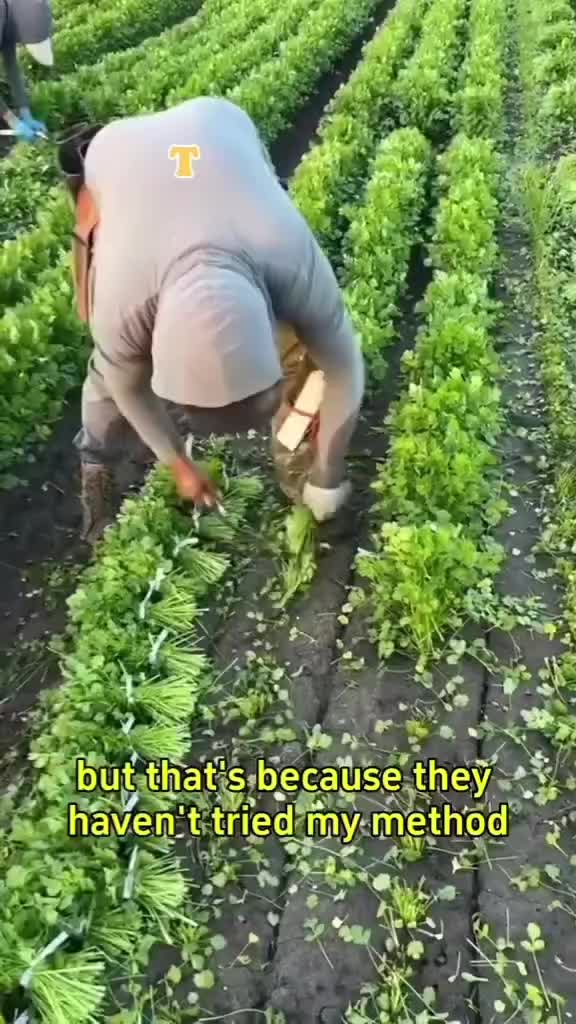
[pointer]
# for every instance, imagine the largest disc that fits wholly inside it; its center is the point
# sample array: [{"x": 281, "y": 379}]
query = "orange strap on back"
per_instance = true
[{"x": 87, "y": 218}]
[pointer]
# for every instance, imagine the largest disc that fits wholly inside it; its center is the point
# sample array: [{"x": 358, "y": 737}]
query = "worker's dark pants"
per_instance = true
[{"x": 107, "y": 438}]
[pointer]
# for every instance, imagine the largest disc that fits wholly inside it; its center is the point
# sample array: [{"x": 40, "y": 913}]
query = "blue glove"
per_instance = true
[
  {"x": 37, "y": 127},
  {"x": 24, "y": 132},
  {"x": 29, "y": 129}
]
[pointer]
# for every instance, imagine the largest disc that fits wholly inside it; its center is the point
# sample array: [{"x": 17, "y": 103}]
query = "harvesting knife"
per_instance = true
[{"x": 11, "y": 131}]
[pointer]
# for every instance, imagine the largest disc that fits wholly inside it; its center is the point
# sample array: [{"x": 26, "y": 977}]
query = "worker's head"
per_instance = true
[
  {"x": 252, "y": 413},
  {"x": 214, "y": 351},
  {"x": 33, "y": 22}
]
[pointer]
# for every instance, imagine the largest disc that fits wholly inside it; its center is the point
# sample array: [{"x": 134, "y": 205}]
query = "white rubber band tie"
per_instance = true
[{"x": 46, "y": 952}]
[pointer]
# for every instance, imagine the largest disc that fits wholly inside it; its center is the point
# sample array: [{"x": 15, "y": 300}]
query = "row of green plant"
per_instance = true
[
  {"x": 550, "y": 195},
  {"x": 94, "y": 31},
  {"x": 550, "y": 198},
  {"x": 330, "y": 177},
  {"x": 376, "y": 256},
  {"x": 134, "y": 677},
  {"x": 271, "y": 93},
  {"x": 42, "y": 345},
  {"x": 24, "y": 259},
  {"x": 548, "y": 53},
  {"x": 383, "y": 233},
  {"x": 480, "y": 101},
  {"x": 427, "y": 86},
  {"x": 438, "y": 490},
  {"x": 264, "y": 32},
  {"x": 146, "y": 54},
  {"x": 548, "y": 188},
  {"x": 65, "y": 11}
]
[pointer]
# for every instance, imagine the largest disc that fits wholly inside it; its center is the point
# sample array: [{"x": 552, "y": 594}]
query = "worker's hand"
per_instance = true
[
  {"x": 324, "y": 503},
  {"x": 193, "y": 485},
  {"x": 37, "y": 127},
  {"x": 24, "y": 132}
]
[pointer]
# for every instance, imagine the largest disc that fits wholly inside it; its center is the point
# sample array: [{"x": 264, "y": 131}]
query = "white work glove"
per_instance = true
[{"x": 324, "y": 503}]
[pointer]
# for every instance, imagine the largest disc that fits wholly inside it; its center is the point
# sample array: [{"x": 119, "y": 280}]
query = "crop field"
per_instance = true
[{"x": 346, "y": 786}]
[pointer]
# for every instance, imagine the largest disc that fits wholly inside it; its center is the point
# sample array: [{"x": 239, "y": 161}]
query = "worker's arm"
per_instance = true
[
  {"x": 119, "y": 379},
  {"x": 15, "y": 78},
  {"x": 118, "y": 389},
  {"x": 22, "y": 123},
  {"x": 308, "y": 297},
  {"x": 126, "y": 380}
]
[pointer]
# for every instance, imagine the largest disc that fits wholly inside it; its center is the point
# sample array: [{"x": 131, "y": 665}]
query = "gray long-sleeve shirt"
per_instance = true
[{"x": 174, "y": 255}]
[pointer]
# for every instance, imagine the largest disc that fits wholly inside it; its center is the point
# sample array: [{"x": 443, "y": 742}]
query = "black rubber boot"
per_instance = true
[{"x": 97, "y": 501}]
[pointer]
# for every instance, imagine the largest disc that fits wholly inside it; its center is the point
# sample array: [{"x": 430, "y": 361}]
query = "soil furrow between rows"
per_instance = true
[{"x": 525, "y": 766}]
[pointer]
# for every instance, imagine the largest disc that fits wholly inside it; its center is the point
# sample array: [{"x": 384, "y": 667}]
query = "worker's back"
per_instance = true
[{"x": 151, "y": 219}]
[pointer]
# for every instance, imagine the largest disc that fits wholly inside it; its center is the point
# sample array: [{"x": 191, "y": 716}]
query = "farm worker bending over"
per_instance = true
[
  {"x": 28, "y": 22},
  {"x": 208, "y": 299}
]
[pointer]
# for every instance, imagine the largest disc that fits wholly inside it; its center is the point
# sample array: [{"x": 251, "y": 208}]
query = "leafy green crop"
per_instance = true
[
  {"x": 425, "y": 88},
  {"x": 417, "y": 581},
  {"x": 480, "y": 102},
  {"x": 134, "y": 676},
  {"x": 442, "y": 463},
  {"x": 382, "y": 234},
  {"x": 330, "y": 177},
  {"x": 114, "y": 28},
  {"x": 459, "y": 316},
  {"x": 24, "y": 258},
  {"x": 439, "y": 489},
  {"x": 464, "y": 237},
  {"x": 549, "y": 51},
  {"x": 300, "y": 544}
]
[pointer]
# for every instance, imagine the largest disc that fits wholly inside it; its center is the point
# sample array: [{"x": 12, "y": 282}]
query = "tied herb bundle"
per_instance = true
[{"x": 300, "y": 544}]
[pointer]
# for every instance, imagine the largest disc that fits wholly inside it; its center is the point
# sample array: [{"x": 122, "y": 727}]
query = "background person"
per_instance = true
[{"x": 28, "y": 22}]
